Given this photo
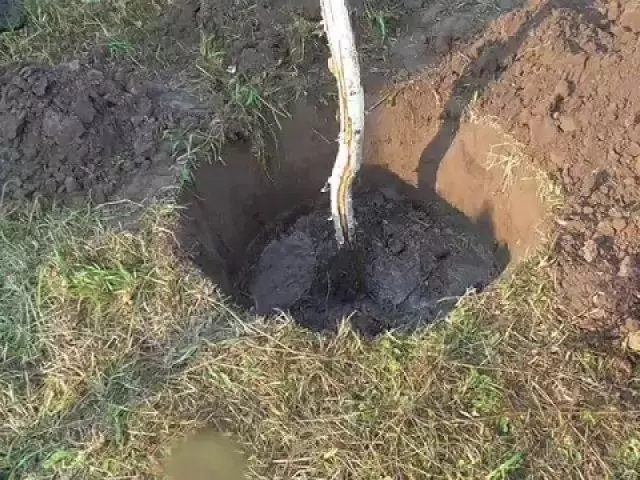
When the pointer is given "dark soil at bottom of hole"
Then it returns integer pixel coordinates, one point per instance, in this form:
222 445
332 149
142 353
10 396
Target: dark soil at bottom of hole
409 267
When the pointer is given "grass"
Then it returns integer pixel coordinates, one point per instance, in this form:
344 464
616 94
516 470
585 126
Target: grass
57 30
253 102
114 350
190 147
507 157
511 159
382 15
303 35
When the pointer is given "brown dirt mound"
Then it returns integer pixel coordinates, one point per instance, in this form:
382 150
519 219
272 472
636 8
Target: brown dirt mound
560 76
571 93
80 130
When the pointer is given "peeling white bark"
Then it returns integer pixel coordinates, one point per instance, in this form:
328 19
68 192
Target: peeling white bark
345 67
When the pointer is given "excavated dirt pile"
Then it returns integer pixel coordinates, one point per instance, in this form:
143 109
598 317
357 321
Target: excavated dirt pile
570 92
84 130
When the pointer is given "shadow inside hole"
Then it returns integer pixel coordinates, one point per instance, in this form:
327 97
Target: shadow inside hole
267 242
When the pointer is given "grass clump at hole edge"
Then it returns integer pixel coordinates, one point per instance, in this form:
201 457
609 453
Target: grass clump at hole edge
105 305
130 365
512 159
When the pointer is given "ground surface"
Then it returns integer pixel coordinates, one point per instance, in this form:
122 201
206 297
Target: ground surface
84 130
517 119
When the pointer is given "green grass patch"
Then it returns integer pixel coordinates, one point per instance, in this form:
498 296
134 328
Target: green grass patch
27 239
135 351
382 17
629 459
58 30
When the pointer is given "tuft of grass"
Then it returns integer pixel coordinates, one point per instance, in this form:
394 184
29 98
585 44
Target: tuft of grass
508 157
511 158
483 393
213 61
629 459
191 147
26 240
255 104
121 48
58 30
253 98
382 16
549 190
302 35
509 467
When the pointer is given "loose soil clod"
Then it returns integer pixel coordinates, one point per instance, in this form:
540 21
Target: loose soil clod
11 14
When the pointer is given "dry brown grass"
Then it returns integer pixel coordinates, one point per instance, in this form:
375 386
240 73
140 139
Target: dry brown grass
130 350
510 157
59 30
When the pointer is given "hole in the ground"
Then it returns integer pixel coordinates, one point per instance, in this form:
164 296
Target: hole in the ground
422 243
409 266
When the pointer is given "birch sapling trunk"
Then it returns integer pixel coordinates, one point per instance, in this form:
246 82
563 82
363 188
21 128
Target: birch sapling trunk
344 65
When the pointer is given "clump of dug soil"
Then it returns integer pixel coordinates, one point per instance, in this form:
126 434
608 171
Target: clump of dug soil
558 76
81 131
570 93
409 267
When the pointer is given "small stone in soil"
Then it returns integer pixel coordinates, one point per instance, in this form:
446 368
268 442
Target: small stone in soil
631 324
633 342
627 267
590 250
70 184
605 227
634 149
619 224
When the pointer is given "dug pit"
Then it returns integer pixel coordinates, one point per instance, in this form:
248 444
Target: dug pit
265 237
409 266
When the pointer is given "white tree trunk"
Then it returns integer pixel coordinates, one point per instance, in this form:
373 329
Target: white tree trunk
345 67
